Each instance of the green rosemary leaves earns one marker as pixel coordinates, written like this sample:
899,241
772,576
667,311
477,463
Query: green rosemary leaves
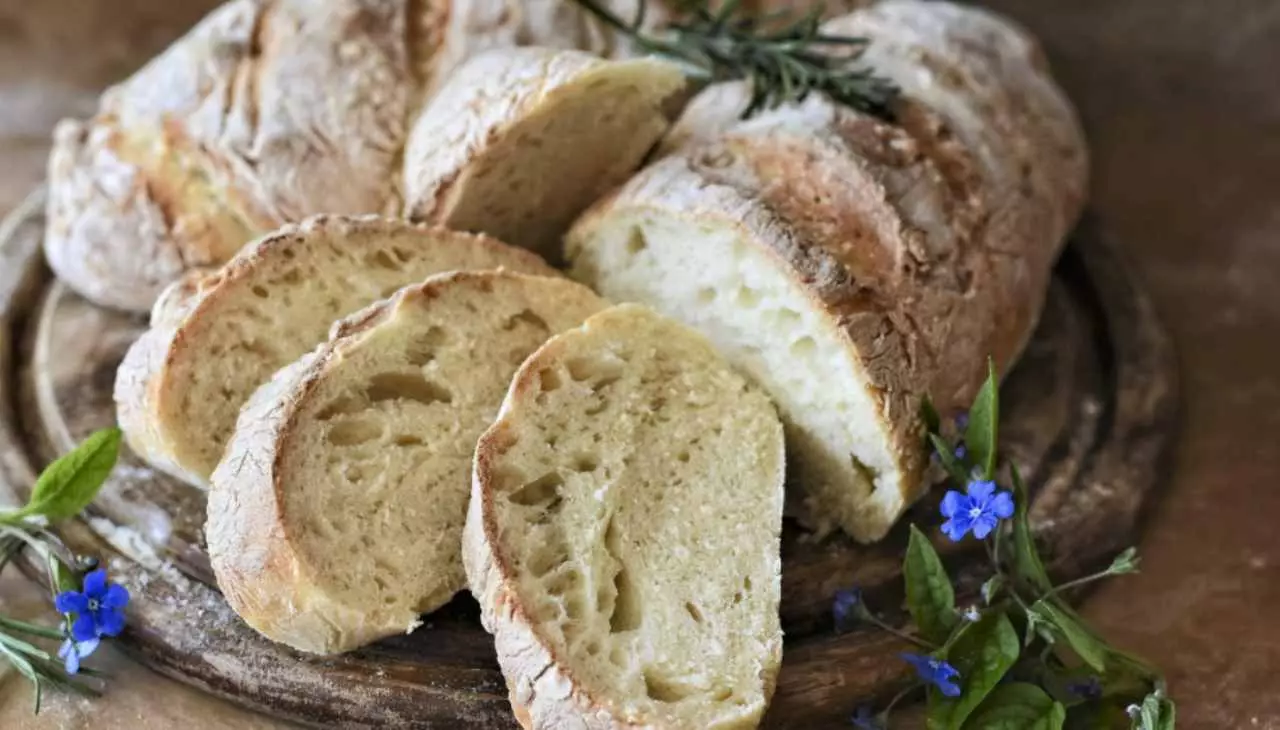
785,60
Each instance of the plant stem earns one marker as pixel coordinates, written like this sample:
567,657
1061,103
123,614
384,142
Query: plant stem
870,618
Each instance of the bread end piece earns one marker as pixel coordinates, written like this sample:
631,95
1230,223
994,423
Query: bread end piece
623,532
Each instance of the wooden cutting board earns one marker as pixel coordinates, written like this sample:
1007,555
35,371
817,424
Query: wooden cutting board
1088,415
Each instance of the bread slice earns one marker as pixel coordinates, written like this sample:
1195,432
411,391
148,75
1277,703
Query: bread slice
214,340
336,516
853,266
623,533
520,141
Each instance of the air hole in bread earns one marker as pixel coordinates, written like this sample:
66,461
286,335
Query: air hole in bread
548,558
748,297
341,406
683,457
354,431
526,317
586,463
422,348
706,295
408,440
406,386
722,694
260,291
627,614
694,612
539,491
665,689
382,260
403,255
600,371
549,380
636,241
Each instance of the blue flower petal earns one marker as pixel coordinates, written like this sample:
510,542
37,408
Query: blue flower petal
1002,505
84,628
95,583
919,661
981,490
117,596
947,687
845,606
984,524
953,502
85,648
956,527
961,451
71,602
70,659
110,622
864,719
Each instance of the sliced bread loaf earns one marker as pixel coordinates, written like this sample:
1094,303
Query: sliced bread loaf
853,266
521,140
623,532
214,340
336,516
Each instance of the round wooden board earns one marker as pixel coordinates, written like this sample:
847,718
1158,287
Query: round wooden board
1088,415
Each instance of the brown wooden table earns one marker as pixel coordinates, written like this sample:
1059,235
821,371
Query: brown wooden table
1181,99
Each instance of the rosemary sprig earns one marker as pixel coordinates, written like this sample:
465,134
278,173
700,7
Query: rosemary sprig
785,59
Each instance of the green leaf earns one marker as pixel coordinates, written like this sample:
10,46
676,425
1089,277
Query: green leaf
984,416
982,656
929,414
1168,715
1068,625
43,632
1027,566
930,598
1018,706
69,484
947,457
991,589
1126,562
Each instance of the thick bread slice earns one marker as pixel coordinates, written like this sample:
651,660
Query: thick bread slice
266,112
522,140
214,340
336,516
853,266
623,533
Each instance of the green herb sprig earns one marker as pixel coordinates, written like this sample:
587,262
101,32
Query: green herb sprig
62,491
784,59
1022,657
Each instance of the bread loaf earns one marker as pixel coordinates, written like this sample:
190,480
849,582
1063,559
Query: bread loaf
214,340
336,515
623,533
850,265
521,140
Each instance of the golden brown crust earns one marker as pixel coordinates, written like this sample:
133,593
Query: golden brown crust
927,243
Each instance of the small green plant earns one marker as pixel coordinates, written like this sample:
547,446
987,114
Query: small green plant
1020,657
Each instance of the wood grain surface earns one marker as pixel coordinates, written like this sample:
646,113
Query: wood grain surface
1181,105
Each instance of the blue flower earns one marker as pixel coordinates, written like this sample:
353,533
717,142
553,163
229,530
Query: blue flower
846,606
863,719
1088,689
962,422
99,608
936,672
73,651
980,510
961,451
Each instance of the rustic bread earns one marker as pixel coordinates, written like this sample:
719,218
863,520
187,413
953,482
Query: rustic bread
623,533
853,266
521,140
266,112
336,515
214,340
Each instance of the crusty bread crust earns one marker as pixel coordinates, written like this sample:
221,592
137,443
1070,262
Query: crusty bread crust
927,244
266,112
542,687
149,384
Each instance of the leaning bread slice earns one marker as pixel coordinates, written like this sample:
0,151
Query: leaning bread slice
521,140
623,532
215,340
336,516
